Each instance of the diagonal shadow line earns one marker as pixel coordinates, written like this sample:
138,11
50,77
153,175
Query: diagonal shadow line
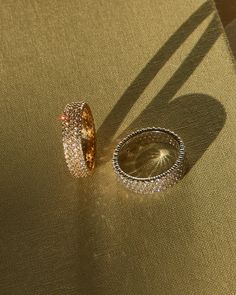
133,92
199,51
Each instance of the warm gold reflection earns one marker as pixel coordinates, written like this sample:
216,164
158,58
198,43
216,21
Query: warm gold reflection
88,137
147,160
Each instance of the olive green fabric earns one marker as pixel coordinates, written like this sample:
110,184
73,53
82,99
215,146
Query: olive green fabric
137,63
231,34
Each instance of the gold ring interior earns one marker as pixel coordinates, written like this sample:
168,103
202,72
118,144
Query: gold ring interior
88,136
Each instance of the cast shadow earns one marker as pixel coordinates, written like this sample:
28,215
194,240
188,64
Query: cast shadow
197,118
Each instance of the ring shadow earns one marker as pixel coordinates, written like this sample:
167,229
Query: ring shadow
197,118
197,108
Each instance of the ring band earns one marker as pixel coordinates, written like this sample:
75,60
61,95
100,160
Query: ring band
155,183
78,135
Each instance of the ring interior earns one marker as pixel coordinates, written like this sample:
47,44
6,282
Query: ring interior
88,136
145,138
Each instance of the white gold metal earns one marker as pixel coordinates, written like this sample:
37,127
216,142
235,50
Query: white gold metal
159,182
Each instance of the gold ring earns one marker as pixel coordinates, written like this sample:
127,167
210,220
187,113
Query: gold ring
78,135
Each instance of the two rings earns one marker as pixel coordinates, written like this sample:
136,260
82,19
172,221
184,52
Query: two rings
79,142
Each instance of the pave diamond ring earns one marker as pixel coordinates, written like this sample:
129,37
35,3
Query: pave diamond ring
128,150
78,135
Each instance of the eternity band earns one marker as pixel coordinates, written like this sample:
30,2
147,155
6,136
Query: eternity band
78,135
156,183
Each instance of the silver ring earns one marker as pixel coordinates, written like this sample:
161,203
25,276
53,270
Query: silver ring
78,135
156,183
